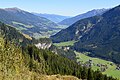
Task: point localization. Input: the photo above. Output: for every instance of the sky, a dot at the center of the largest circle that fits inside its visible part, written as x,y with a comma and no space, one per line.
61,7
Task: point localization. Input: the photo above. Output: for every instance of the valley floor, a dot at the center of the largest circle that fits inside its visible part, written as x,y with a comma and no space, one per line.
97,63
107,67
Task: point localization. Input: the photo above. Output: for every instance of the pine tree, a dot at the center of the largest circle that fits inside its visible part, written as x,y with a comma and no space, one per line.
84,73
100,76
90,74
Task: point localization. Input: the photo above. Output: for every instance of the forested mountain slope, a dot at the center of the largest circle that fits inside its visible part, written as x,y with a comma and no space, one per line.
99,35
32,63
95,12
103,39
28,63
11,34
26,22
76,31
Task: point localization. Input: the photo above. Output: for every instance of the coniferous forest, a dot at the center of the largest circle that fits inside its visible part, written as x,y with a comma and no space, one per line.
59,40
18,62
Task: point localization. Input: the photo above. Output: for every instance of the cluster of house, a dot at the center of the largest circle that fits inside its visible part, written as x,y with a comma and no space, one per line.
90,63
102,67
118,67
65,48
86,64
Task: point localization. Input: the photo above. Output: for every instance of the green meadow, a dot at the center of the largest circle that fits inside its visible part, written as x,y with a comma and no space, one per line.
111,71
82,57
68,43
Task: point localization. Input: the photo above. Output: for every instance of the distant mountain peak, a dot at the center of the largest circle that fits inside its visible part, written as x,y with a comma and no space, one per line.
27,22
94,12
53,17
99,35
14,9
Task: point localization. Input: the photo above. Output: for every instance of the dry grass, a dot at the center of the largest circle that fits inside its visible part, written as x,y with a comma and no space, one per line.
58,77
27,36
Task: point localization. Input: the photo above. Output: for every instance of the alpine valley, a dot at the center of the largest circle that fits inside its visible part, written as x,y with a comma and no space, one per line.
96,36
28,23
36,46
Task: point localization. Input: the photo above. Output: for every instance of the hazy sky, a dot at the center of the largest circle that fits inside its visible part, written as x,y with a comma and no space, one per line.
62,7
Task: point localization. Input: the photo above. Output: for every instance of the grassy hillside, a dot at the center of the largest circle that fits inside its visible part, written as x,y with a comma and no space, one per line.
111,71
68,43
27,62
13,65
30,63
83,58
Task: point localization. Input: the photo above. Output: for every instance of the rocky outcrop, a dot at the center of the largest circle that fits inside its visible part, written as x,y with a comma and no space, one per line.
43,45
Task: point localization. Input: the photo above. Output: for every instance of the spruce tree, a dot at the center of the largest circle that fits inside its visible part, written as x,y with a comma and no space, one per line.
90,74
84,73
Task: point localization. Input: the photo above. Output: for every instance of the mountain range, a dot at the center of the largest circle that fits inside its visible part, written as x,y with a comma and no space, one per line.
53,17
70,21
27,23
76,31
24,56
34,24
98,35
103,39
